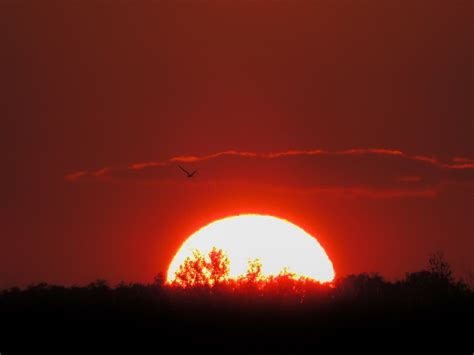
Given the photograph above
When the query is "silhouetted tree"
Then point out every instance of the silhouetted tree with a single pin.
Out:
(218, 266)
(201, 271)
(99, 284)
(440, 267)
(254, 271)
(361, 285)
(159, 280)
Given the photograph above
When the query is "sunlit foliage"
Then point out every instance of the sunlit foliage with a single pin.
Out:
(213, 270)
(201, 270)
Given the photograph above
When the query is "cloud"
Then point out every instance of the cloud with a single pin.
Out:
(76, 175)
(375, 173)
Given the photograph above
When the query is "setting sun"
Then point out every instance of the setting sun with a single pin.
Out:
(277, 245)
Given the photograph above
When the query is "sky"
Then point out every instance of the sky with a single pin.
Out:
(351, 119)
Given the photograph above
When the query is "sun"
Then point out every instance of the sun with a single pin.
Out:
(278, 245)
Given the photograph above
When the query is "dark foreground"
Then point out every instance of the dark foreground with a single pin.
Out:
(425, 313)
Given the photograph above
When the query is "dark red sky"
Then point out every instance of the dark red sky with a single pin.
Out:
(92, 84)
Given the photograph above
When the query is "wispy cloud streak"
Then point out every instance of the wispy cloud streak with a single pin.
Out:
(374, 172)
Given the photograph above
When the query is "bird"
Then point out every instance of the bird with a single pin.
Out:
(188, 174)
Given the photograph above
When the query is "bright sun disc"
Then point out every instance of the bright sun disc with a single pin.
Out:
(279, 245)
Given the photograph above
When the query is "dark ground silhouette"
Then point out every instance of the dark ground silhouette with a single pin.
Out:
(427, 312)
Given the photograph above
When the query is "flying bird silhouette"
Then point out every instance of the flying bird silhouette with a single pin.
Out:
(188, 174)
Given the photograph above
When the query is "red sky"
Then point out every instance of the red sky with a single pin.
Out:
(352, 119)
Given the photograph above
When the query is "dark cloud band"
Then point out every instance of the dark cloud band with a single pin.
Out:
(353, 172)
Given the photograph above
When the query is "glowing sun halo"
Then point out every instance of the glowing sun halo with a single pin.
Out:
(278, 244)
